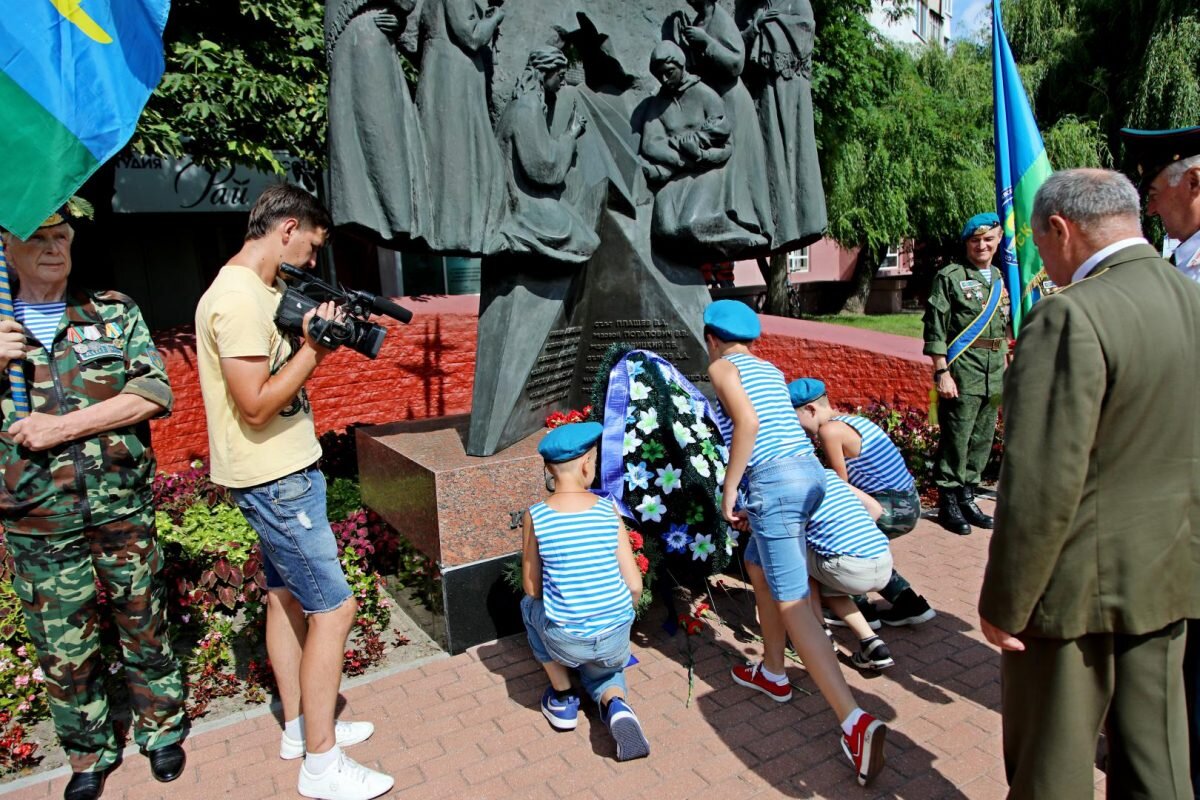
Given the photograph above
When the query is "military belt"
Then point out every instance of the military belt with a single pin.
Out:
(995, 345)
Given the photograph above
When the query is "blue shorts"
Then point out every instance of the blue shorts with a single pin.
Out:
(780, 497)
(299, 549)
(600, 659)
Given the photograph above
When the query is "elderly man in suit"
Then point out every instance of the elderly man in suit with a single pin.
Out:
(1094, 564)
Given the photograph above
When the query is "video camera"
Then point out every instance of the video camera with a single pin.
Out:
(355, 330)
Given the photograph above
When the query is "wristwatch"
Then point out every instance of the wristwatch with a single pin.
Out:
(937, 373)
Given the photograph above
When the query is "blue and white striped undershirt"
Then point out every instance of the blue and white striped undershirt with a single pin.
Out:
(879, 467)
(779, 432)
(582, 588)
(841, 526)
(41, 319)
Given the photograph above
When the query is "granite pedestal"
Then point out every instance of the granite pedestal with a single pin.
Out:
(464, 512)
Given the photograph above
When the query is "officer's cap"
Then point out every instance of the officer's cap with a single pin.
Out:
(980, 223)
(75, 208)
(732, 321)
(805, 390)
(568, 442)
(1150, 152)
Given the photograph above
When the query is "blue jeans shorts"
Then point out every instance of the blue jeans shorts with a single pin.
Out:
(600, 659)
(780, 497)
(299, 549)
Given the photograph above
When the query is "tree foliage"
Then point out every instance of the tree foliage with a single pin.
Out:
(244, 79)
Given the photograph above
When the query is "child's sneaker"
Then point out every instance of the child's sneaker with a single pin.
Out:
(873, 654)
(750, 675)
(345, 780)
(910, 608)
(868, 611)
(345, 733)
(563, 715)
(625, 728)
(864, 747)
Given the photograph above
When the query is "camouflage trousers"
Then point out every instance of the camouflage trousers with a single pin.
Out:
(57, 578)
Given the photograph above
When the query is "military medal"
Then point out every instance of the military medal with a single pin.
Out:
(112, 330)
(73, 335)
(91, 333)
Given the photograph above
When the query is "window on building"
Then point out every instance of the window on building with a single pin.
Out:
(947, 8)
(935, 29)
(797, 260)
(892, 260)
(921, 22)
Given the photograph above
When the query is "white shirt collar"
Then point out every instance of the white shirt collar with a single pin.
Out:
(1185, 253)
(1086, 267)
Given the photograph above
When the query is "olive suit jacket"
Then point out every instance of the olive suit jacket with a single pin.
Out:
(1098, 512)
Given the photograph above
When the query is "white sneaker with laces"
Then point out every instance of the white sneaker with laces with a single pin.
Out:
(345, 780)
(345, 733)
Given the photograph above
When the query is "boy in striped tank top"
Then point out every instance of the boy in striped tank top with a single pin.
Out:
(862, 455)
(783, 485)
(581, 583)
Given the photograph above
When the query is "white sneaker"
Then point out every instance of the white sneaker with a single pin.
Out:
(345, 733)
(345, 780)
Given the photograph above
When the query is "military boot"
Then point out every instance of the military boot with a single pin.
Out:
(950, 516)
(970, 511)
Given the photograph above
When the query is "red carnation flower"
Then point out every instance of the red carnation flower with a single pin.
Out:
(635, 540)
(643, 563)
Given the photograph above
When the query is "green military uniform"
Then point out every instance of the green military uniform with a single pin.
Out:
(968, 423)
(1095, 559)
(80, 514)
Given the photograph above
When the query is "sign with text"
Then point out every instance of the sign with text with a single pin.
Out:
(154, 184)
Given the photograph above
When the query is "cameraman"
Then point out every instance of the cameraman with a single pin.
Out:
(263, 446)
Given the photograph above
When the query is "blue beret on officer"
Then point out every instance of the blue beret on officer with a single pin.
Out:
(1150, 152)
(568, 442)
(732, 321)
(980, 223)
(805, 390)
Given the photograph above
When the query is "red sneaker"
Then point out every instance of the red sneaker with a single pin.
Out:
(750, 675)
(864, 747)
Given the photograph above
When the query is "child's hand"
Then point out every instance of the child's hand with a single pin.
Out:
(738, 519)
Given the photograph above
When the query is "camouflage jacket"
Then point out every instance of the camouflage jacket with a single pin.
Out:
(102, 348)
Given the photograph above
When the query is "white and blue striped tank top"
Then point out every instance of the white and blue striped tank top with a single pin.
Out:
(41, 319)
(841, 526)
(582, 588)
(779, 432)
(879, 467)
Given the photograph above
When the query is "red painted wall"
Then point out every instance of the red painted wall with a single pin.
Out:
(426, 369)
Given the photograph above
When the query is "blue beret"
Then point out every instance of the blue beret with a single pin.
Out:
(568, 442)
(732, 321)
(805, 390)
(978, 224)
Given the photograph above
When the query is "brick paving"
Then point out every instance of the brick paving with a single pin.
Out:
(468, 727)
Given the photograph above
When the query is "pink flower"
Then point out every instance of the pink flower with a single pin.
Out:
(38, 675)
(22, 680)
(21, 651)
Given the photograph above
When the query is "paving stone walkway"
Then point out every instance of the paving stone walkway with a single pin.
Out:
(468, 727)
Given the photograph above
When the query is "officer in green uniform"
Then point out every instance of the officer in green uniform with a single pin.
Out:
(77, 509)
(966, 335)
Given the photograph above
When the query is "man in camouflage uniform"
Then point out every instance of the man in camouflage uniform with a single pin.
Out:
(76, 506)
(961, 326)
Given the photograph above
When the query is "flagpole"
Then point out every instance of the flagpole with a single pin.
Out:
(16, 373)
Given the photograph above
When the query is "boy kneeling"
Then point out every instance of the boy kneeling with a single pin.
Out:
(581, 583)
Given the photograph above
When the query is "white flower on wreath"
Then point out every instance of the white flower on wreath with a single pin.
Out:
(702, 430)
(632, 442)
(651, 508)
(731, 540)
(638, 391)
(719, 469)
(637, 476)
(682, 434)
(702, 547)
(701, 465)
(648, 421)
(683, 403)
(665, 371)
(724, 451)
(668, 478)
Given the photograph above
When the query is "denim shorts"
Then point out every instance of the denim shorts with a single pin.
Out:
(780, 497)
(299, 549)
(600, 659)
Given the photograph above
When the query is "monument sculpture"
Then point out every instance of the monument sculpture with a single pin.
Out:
(594, 154)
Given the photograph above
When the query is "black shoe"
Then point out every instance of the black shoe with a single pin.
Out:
(85, 785)
(950, 515)
(865, 606)
(166, 763)
(910, 608)
(872, 654)
(970, 511)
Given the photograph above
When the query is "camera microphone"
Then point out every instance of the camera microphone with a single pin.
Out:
(381, 305)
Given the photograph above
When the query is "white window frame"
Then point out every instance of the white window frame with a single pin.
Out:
(921, 20)
(798, 261)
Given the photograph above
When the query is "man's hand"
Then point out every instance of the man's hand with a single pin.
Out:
(946, 387)
(1002, 639)
(695, 35)
(388, 23)
(12, 342)
(41, 431)
(327, 310)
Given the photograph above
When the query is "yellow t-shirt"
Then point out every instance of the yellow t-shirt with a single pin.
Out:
(236, 318)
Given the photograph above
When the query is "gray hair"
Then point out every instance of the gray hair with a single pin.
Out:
(1174, 171)
(1086, 197)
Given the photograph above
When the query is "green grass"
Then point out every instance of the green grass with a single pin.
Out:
(907, 324)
